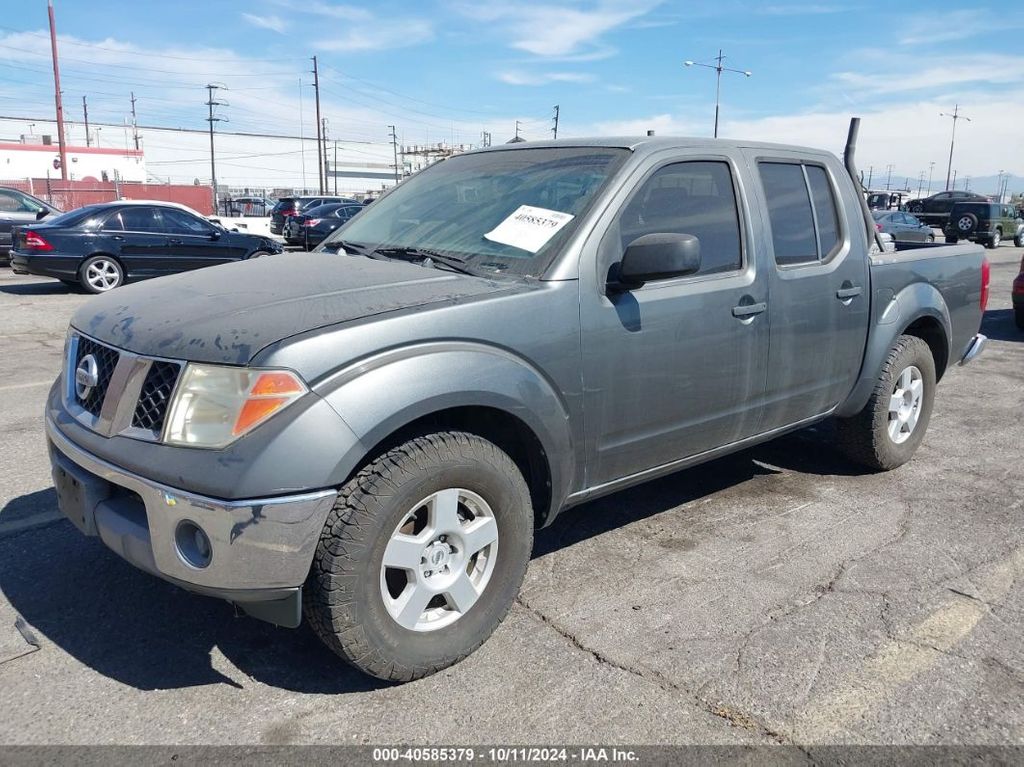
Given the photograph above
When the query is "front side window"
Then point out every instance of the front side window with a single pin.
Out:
(502, 211)
(180, 222)
(13, 202)
(802, 212)
(696, 198)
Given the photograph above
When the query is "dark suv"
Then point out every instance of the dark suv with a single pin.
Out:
(986, 222)
(290, 206)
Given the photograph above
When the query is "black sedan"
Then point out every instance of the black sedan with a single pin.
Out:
(311, 227)
(17, 208)
(290, 206)
(902, 226)
(103, 246)
(935, 210)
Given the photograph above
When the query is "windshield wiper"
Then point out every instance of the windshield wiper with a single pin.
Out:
(352, 247)
(425, 256)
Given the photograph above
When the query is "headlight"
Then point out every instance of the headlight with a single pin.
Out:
(213, 405)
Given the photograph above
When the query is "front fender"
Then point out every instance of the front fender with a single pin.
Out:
(891, 317)
(378, 396)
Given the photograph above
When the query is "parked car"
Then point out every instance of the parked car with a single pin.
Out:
(17, 207)
(392, 421)
(290, 206)
(1018, 297)
(885, 200)
(100, 247)
(986, 222)
(902, 226)
(935, 210)
(310, 227)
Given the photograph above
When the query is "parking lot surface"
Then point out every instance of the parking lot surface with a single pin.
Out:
(777, 595)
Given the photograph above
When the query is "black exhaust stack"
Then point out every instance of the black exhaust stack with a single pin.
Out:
(851, 168)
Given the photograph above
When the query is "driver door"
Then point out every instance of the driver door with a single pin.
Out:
(676, 367)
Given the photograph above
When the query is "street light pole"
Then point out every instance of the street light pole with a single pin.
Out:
(955, 116)
(717, 66)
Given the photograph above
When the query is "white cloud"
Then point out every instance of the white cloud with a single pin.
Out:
(884, 135)
(945, 27)
(273, 23)
(551, 31)
(933, 73)
(378, 35)
(800, 9)
(519, 77)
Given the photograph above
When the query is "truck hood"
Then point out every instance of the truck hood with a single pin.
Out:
(226, 314)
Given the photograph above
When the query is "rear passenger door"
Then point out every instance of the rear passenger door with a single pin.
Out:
(675, 367)
(135, 236)
(818, 291)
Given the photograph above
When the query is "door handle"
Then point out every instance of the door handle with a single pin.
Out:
(174, 242)
(845, 293)
(118, 238)
(748, 310)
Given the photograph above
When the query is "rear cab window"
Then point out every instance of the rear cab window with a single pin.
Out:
(802, 212)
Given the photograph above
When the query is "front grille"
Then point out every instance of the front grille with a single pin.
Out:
(106, 360)
(155, 396)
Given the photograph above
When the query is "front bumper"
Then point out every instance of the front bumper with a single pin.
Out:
(261, 549)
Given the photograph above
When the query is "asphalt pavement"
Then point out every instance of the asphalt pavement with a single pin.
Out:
(780, 595)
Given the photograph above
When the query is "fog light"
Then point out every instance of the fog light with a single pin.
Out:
(193, 544)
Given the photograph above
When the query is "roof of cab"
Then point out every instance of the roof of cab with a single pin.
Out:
(649, 144)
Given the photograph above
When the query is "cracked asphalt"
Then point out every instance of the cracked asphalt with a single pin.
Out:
(779, 595)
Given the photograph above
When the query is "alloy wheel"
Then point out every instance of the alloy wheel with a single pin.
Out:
(905, 404)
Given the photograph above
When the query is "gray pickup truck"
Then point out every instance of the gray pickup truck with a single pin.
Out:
(369, 435)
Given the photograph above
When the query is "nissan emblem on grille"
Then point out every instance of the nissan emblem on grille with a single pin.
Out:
(87, 375)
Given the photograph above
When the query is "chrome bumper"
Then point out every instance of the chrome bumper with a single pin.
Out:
(974, 348)
(261, 549)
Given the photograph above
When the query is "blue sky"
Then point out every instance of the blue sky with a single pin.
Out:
(450, 69)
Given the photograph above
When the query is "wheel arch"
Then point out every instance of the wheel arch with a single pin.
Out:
(917, 310)
(463, 387)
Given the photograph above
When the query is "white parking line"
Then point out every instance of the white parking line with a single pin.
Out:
(31, 385)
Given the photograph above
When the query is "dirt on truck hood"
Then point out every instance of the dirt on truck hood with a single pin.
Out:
(226, 314)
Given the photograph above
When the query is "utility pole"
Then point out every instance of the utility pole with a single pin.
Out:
(323, 148)
(57, 95)
(517, 129)
(888, 177)
(85, 111)
(211, 103)
(335, 167)
(321, 174)
(948, 187)
(486, 138)
(394, 147)
(135, 124)
(871, 170)
(920, 183)
(554, 130)
(302, 140)
(955, 116)
(931, 168)
(718, 78)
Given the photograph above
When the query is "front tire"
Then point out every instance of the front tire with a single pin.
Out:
(995, 239)
(421, 556)
(887, 432)
(100, 274)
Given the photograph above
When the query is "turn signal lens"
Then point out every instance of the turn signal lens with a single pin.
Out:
(215, 405)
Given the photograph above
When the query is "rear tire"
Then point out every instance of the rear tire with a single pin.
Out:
(100, 274)
(995, 239)
(401, 506)
(878, 437)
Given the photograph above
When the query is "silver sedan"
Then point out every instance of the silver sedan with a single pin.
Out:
(902, 226)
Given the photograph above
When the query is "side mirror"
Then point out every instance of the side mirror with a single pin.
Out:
(40, 215)
(658, 257)
(216, 234)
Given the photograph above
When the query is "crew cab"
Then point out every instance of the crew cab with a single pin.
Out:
(368, 435)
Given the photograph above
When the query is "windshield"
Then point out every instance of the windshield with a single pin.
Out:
(503, 211)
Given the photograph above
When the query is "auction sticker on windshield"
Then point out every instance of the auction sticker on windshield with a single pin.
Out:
(529, 228)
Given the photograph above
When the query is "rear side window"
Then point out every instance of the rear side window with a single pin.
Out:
(802, 212)
(689, 198)
(139, 219)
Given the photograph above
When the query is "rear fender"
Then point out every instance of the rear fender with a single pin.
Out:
(892, 318)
